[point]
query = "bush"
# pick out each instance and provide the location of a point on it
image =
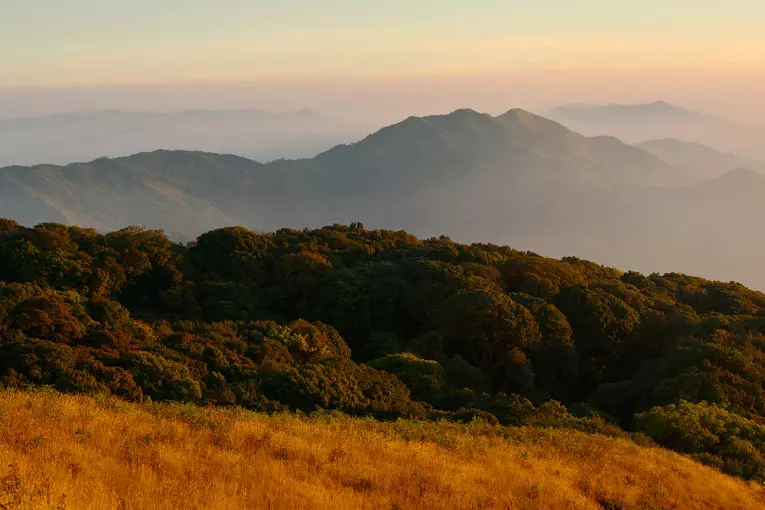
(709, 433)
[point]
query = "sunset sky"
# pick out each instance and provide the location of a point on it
(52, 43)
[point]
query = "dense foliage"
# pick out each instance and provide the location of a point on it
(380, 323)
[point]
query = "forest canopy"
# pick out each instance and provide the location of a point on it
(380, 323)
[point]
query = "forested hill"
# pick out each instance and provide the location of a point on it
(375, 322)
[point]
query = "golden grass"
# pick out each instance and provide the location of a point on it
(62, 451)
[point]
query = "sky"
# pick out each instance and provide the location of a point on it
(53, 50)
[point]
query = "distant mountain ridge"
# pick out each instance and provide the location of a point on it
(635, 123)
(258, 134)
(517, 178)
(649, 110)
(701, 158)
(420, 153)
(646, 110)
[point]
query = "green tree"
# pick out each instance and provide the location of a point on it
(493, 332)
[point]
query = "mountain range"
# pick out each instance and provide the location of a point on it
(704, 161)
(260, 135)
(639, 122)
(517, 178)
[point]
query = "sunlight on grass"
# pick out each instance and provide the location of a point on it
(61, 451)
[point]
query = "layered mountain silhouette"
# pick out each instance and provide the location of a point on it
(517, 178)
(705, 161)
(260, 135)
(639, 122)
(450, 157)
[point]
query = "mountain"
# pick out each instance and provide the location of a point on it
(261, 135)
(639, 122)
(386, 177)
(711, 228)
(706, 161)
(649, 111)
(108, 192)
(516, 178)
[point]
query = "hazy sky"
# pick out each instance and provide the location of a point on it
(597, 44)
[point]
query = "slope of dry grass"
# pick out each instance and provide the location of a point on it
(61, 451)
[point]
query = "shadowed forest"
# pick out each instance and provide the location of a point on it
(381, 324)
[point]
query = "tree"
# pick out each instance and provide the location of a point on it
(49, 318)
(491, 331)
(424, 378)
(711, 434)
(602, 324)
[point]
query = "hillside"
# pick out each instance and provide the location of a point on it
(381, 324)
(105, 454)
(516, 178)
(635, 123)
(706, 161)
(705, 229)
(261, 135)
(387, 175)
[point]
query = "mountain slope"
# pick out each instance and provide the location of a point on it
(711, 228)
(704, 160)
(635, 123)
(386, 173)
(107, 192)
(466, 140)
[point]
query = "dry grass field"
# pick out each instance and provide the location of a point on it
(61, 451)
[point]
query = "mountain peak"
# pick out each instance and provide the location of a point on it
(663, 104)
(738, 182)
(464, 127)
(462, 112)
(744, 174)
(460, 115)
(519, 117)
(519, 114)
